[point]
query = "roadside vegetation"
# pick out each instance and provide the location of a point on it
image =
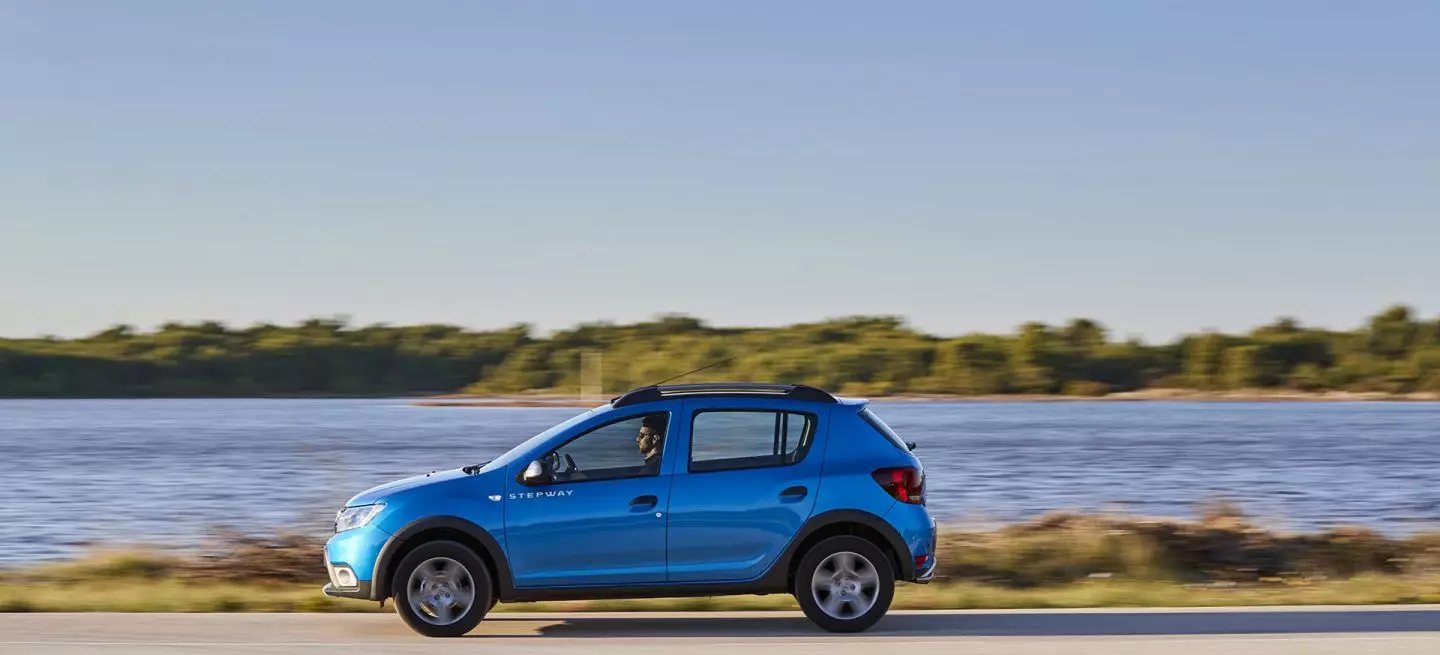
(1395, 352)
(1059, 560)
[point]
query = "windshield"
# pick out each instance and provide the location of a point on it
(525, 446)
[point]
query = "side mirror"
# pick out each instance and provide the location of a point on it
(911, 445)
(535, 472)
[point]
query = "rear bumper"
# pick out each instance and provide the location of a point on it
(917, 529)
(926, 574)
(359, 592)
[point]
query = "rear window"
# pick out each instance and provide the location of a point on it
(722, 440)
(880, 427)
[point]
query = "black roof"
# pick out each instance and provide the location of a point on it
(652, 393)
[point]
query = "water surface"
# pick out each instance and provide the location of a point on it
(75, 472)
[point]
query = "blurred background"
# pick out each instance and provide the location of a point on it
(259, 257)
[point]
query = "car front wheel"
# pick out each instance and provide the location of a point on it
(442, 589)
(844, 584)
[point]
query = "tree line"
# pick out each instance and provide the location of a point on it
(1395, 352)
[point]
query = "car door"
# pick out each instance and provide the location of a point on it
(597, 515)
(746, 477)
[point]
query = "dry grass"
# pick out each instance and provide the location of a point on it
(1061, 560)
(169, 596)
(1223, 546)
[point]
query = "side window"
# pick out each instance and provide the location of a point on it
(629, 448)
(884, 429)
(722, 440)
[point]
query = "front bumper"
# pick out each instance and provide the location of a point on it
(350, 559)
(359, 592)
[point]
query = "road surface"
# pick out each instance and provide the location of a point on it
(1403, 630)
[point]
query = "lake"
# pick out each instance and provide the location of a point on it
(168, 472)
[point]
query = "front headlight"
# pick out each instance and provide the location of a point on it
(354, 517)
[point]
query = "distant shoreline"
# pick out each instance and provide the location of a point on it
(1143, 395)
(543, 399)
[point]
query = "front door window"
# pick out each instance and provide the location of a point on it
(629, 448)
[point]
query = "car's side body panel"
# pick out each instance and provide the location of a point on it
(852, 455)
(587, 533)
(775, 579)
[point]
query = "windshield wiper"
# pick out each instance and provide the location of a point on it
(473, 468)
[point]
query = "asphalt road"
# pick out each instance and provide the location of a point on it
(1224, 631)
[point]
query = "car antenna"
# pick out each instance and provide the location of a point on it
(707, 366)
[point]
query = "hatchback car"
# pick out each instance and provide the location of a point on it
(667, 491)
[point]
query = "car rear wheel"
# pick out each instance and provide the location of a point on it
(442, 589)
(844, 584)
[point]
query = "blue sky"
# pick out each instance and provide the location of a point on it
(1162, 167)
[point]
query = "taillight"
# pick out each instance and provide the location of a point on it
(904, 483)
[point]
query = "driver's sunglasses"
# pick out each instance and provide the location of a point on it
(642, 435)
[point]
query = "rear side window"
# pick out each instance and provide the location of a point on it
(723, 440)
(880, 427)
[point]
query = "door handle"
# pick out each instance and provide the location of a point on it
(794, 492)
(644, 501)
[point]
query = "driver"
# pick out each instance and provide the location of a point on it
(651, 441)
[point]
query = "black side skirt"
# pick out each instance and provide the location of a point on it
(761, 587)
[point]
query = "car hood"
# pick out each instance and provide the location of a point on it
(379, 493)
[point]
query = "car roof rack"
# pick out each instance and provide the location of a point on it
(652, 393)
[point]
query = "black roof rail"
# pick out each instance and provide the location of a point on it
(787, 391)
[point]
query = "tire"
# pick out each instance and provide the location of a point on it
(844, 584)
(442, 589)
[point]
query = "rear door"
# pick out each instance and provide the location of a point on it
(746, 476)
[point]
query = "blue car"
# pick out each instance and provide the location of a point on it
(667, 491)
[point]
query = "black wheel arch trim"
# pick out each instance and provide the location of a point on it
(904, 561)
(380, 581)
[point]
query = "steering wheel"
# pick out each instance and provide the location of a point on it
(570, 462)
